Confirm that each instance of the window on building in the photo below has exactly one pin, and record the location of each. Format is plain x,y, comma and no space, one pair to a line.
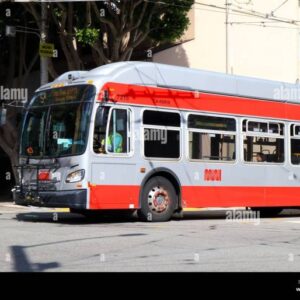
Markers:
212,138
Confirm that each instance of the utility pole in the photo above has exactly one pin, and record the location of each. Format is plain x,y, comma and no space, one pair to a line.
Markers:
44,60
227,4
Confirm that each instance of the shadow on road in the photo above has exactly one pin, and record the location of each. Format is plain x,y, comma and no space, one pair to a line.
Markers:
22,263
73,219
77,219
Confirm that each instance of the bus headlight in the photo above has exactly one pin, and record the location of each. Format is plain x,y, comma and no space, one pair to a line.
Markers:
75,176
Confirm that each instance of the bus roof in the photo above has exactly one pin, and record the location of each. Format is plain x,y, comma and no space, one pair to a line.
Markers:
173,77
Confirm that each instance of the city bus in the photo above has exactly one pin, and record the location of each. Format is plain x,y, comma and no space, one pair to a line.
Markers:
158,139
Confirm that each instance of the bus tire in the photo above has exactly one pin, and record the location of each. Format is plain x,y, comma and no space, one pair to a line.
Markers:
267,212
158,200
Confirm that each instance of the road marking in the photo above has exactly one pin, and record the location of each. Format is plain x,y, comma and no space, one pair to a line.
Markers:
59,210
193,209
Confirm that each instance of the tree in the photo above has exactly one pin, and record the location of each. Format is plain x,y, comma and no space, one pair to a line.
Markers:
16,61
112,30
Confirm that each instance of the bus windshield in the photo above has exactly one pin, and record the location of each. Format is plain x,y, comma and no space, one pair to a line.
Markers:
57,122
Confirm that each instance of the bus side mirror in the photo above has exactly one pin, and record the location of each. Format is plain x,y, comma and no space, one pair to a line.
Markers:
100,117
3,113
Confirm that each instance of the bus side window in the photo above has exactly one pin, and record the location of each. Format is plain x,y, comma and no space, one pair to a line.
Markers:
259,149
100,129
215,142
295,151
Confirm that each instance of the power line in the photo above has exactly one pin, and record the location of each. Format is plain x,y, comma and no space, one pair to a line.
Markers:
252,13
262,15
283,3
219,9
262,24
239,11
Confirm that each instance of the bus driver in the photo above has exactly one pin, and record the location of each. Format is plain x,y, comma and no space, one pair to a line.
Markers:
114,143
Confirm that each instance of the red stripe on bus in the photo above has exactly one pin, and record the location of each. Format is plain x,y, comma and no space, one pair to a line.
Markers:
159,97
113,196
122,196
230,196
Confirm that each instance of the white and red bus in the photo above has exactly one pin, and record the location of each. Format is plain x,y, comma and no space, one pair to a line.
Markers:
158,139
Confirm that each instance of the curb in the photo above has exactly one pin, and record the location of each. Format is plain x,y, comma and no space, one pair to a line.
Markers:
11,205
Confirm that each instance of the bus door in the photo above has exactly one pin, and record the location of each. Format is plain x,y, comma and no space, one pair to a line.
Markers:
113,167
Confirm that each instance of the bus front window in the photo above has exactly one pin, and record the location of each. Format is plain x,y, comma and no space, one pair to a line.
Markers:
57,122
33,134
67,130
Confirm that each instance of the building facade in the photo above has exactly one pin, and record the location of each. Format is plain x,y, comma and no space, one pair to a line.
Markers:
242,37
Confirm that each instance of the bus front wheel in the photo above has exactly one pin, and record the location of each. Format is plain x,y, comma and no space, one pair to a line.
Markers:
158,200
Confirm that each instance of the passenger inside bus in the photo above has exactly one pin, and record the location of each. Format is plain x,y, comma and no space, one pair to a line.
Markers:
260,157
258,149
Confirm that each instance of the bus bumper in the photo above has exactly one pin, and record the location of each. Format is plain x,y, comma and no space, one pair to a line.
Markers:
68,199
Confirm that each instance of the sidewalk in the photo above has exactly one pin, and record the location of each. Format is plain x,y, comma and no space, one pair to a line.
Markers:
10,207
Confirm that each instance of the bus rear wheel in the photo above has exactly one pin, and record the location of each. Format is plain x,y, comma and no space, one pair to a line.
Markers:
158,200
267,212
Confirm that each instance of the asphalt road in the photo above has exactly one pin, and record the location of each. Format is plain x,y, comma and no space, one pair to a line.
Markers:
34,239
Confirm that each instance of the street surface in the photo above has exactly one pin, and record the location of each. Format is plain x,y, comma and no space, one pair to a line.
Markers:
39,239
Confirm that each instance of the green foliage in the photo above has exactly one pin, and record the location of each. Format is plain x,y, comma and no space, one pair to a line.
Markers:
57,12
87,36
171,21
168,22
